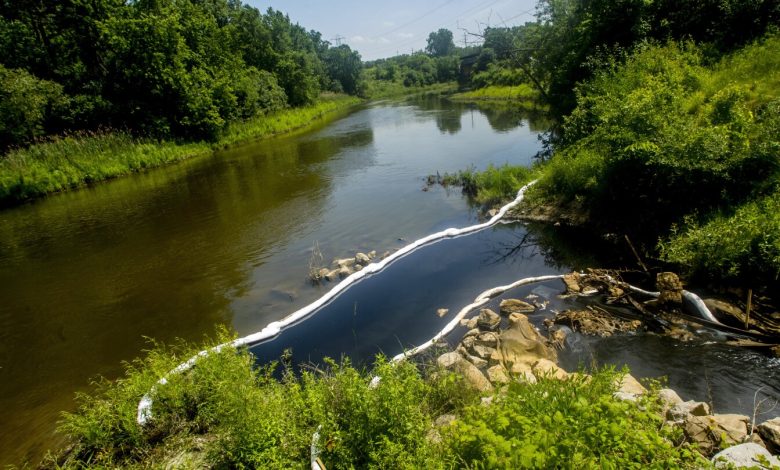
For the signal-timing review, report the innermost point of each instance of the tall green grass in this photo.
(522, 93)
(228, 413)
(76, 160)
(492, 185)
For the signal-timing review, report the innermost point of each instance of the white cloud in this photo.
(364, 40)
(405, 35)
(358, 39)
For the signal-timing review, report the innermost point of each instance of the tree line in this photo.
(160, 68)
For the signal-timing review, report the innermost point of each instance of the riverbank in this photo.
(75, 161)
(521, 96)
(225, 413)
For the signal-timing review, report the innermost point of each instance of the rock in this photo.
(488, 320)
(670, 287)
(572, 284)
(332, 275)
(344, 263)
(473, 376)
(470, 323)
(522, 345)
(497, 375)
(732, 428)
(448, 360)
(455, 362)
(716, 431)
(482, 351)
(557, 337)
(372, 254)
(745, 455)
(721, 308)
(344, 272)
(362, 258)
(508, 306)
(680, 411)
(322, 273)
(488, 339)
(669, 397)
(477, 361)
(523, 372)
(770, 433)
(546, 367)
(442, 311)
(628, 384)
(625, 396)
(468, 342)
(472, 332)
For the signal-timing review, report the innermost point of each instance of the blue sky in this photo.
(379, 29)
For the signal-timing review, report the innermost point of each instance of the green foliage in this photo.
(664, 137)
(165, 69)
(742, 244)
(440, 43)
(26, 106)
(493, 185)
(574, 423)
(226, 412)
(523, 93)
(654, 139)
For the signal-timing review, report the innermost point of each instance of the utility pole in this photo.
(337, 40)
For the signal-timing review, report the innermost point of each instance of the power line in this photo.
(400, 27)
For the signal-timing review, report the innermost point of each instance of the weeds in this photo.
(228, 412)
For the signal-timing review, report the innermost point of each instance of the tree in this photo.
(440, 43)
(25, 105)
(344, 66)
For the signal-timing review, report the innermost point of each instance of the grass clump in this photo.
(518, 93)
(227, 412)
(493, 185)
(76, 160)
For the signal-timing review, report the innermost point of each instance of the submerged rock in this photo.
(488, 320)
(509, 306)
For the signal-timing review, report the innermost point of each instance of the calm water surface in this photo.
(86, 276)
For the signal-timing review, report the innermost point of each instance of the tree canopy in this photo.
(165, 68)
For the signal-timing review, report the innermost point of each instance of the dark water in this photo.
(224, 240)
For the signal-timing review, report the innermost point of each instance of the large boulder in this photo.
(522, 344)
(745, 455)
(509, 306)
(497, 375)
(628, 384)
(770, 433)
(716, 431)
(488, 320)
(547, 368)
(455, 362)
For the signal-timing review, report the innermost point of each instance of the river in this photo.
(86, 276)
(226, 239)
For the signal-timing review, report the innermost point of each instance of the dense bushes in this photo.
(664, 136)
(226, 414)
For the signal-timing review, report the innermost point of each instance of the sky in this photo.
(380, 29)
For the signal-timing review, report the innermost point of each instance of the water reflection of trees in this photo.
(561, 248)
(501, 116)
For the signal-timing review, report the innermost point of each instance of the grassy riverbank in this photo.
(670, 146)
(73, 161)
(226, 414)
(383, 89)
(522, 95)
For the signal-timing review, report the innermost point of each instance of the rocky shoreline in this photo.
(502, 347)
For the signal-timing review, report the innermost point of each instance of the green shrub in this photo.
(573, 424)
(743, 244)
(493, 185)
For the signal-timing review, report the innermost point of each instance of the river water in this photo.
(226, 240)
(85, 276)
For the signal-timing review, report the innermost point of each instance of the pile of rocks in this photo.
(343, 267)
(489, 356)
